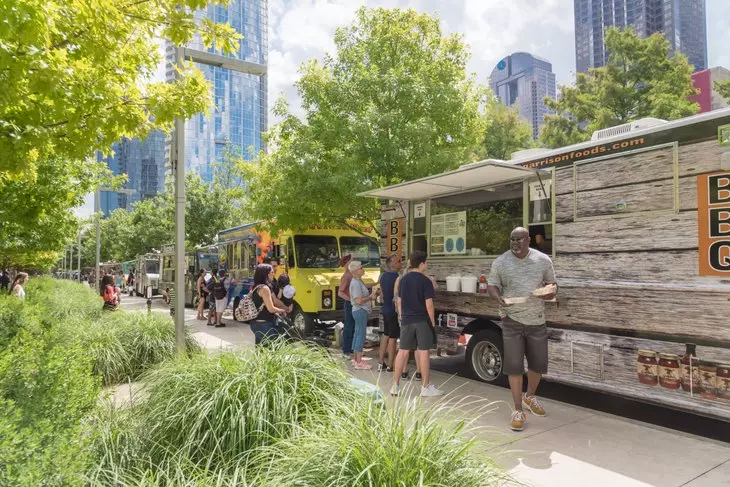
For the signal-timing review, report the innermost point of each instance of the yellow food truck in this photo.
(637, 221)
(310, 258)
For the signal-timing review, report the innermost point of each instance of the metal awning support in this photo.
(468, 177)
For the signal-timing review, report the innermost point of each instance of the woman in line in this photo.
(264, 325)
(17, 287)
(202, 294)
(109, 293)
(362, 305)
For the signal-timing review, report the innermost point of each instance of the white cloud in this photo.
(303, 29)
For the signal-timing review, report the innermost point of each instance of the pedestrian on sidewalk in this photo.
(415, 307)
(517, 273)
(17, 288)
(362, 304)
(5, 281)
(264, 325)
(202, 294)
(391, 327)
(130, 282)
(344, 293)
(220, 292)
(211, 297)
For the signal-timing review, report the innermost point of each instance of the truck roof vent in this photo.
(626, 128)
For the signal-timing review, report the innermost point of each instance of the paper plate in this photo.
(545, 290)
(518, 300)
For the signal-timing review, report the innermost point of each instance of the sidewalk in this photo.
(571, 446)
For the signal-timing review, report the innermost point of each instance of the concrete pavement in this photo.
(571, 446)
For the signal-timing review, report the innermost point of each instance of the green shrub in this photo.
(47, 391)
(404, 445)
(14, 315)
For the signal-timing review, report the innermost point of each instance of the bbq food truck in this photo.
(637, 222)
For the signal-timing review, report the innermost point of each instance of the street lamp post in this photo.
(178, 165)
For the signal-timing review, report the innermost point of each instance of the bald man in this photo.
(516, 274)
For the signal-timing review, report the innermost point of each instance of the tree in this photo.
(36, 217)
(76, 75)
(506, 132)
(639, 80)
(393, 103)
(723, 88)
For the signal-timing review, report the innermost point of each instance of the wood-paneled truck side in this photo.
(637, 222)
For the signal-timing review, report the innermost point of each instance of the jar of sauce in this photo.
(689, 366)
(722, 381)
(708, 380)
(647, 367)
(669, 371)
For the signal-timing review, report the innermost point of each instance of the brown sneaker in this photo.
(518, 421)
(533, 405)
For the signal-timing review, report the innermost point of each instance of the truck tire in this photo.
(302, 321)
(485, 357)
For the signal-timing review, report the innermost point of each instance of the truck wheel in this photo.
(485, 356)
(302, 321)
(236, 302)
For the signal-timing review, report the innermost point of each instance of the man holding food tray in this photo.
(521, 280)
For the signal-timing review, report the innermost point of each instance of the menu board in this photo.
(448, 233)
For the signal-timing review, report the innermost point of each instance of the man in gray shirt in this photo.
(517, 274)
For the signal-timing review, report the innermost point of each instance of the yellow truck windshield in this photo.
(316, 251)
(362, 249)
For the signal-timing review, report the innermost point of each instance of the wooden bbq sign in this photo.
(713, 205)
(394, 236)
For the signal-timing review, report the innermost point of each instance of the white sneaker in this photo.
(431, 391)
(395, 390)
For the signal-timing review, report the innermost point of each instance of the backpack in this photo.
(219, 289)
(246, 310)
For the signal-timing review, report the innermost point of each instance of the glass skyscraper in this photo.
(143, 161)
(526, 80)
(240, 114)
(683, 23)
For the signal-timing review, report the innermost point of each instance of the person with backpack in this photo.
(211, 298)
(219, 288)
(259, 308)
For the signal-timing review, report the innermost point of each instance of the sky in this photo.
(300, 30)
(303, 29)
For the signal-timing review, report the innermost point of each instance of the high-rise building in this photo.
(143, 161)
(525, 80)
(240, 114)
(683, 23)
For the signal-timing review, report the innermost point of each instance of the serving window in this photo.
(475, 223)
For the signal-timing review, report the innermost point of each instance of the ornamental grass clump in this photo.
(58, 299)
(404, 445)
(217, 411)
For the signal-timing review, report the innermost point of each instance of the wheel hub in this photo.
(487, 361)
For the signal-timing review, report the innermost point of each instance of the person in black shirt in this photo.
(416, 310)
(4, 281)
(263, 325)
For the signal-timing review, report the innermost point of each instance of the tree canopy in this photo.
(723, 88)
(394, 102)
(76, 75)
(639, 80)
(505, 131)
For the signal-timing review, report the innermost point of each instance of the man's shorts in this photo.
(391, 327)
(417, 336)
(524, 340)
(220, 305)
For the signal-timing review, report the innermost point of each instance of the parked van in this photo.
(637, 222)
(310, 258)
(147, 273)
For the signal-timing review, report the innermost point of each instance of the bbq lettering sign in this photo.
(713, 205)
(394, 236)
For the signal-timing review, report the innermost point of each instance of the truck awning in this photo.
(468, 177)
